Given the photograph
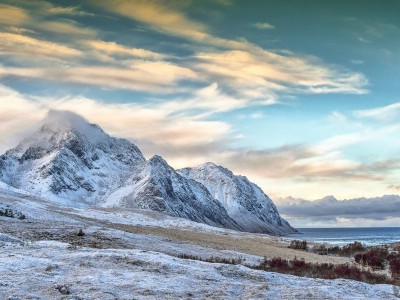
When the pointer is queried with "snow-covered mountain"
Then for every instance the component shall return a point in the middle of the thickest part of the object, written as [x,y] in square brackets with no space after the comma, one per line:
[244,201]
[70,160]
[76,163]
[157,186]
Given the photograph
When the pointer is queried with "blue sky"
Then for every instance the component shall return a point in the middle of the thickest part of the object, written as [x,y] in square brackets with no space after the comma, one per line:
[300,96]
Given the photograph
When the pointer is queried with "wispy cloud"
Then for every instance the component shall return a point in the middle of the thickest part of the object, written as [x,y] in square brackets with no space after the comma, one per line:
[69,10]
[242,60]
[22,45]
[66,27]
[113,48]
[380,113]
[264,26]
[41,7]
[269,72]
[157,14]
[153,77]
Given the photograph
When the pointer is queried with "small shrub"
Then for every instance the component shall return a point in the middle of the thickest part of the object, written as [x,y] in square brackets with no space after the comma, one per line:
[63,289]
[8,212]
[321,250]
[299,245]
[213,259]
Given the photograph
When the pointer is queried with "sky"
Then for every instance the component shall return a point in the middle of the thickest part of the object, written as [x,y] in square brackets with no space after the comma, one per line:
[302,97]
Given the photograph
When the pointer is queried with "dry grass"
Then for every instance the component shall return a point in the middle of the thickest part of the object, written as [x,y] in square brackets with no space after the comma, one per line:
[250,244]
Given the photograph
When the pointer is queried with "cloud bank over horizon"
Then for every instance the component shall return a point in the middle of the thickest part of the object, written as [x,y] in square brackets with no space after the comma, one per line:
[328,211]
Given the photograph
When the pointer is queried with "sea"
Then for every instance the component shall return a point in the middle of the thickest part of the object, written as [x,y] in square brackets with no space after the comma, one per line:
[342,236]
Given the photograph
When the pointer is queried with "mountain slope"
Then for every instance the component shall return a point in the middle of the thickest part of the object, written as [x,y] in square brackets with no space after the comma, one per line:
[159,187]
[244,201]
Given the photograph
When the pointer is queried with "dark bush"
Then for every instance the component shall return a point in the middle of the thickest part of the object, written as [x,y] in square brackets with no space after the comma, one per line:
[394,265]
[374,258]
[276,264]
[316,270]
[347,250]
[300,245]
[321,250]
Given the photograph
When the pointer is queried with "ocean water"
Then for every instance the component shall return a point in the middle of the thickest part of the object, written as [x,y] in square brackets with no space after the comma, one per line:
[342,236]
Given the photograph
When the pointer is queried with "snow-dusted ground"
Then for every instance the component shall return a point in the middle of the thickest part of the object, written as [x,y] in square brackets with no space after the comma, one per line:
[110,262]
[45,270]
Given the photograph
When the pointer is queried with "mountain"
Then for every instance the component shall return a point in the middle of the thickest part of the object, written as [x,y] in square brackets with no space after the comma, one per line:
[69,161]
[244,201]
[157,186]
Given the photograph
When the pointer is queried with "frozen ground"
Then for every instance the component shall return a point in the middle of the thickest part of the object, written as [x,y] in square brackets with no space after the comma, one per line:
[132,255]
[55,270]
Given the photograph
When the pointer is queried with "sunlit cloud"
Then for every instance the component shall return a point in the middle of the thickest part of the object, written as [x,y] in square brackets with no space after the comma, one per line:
[11,15]
[112,48]
[243,61]
[158,15]
[66,27]
[21,45]
[273,72]
[154,77]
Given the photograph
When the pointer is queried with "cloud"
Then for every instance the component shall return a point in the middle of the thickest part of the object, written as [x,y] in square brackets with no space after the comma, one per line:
[245,73]
[264,26]
[69,10]
[149,125]
[66,27]
[210,99]
[378,208]
[267,72]
[150,76]
[158,15]
[20,45]
[11,15]
[258,71]
[357,61]
[320,161]
[112,48]
[47,8]
[337,117]
[383,113]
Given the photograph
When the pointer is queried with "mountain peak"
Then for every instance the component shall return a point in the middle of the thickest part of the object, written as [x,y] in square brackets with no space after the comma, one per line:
[210,167]
[66,121]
